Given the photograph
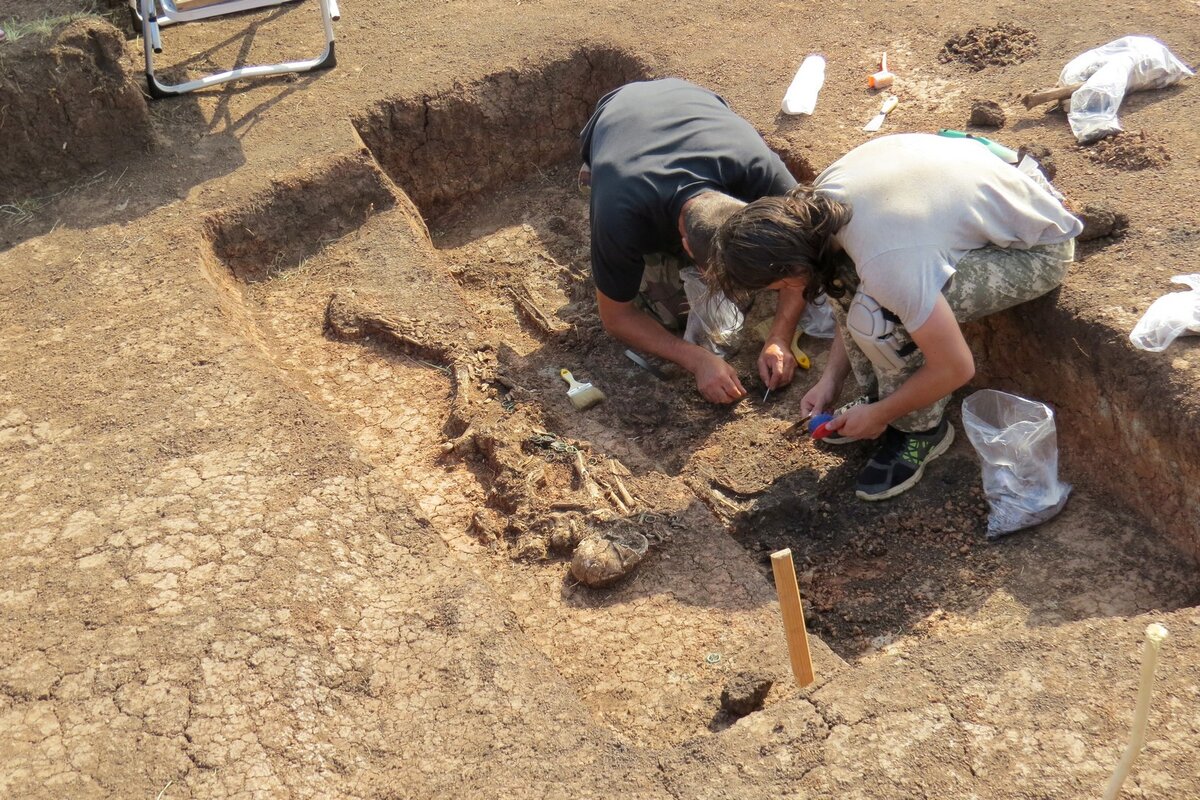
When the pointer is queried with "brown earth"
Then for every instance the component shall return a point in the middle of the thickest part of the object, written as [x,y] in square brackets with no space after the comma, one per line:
[70,109]
[291,483]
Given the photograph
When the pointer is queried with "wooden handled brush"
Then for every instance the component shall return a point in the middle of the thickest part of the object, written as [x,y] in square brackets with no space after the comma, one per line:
[582,395]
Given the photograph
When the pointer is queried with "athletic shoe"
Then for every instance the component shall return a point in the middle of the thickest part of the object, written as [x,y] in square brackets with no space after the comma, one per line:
[900,461]
[836,438]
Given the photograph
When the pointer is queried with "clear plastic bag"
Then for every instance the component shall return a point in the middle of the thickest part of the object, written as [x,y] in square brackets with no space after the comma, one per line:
[1128,64]
[1169,317]
[817,319]
[714,321]
[1018,444]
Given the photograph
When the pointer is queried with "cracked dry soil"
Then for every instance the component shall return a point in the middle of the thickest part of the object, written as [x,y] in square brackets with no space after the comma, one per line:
[290,482]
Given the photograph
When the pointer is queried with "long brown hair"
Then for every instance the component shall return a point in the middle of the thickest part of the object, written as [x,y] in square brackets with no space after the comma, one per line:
[779,237]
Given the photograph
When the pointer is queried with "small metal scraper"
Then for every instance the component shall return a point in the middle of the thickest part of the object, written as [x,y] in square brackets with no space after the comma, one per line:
[877,121]
[646,365]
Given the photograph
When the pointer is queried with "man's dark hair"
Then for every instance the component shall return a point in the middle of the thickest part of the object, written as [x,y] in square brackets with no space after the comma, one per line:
[702,219]
[779,237]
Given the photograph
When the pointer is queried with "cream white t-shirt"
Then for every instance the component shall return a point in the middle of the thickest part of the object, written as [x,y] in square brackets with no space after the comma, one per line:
[920,202]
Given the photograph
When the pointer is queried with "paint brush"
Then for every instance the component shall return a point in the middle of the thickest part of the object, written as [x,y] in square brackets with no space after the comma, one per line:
[582,395]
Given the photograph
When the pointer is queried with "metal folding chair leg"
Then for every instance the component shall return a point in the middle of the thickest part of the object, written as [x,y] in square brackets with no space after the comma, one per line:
[155,14]
[171,12]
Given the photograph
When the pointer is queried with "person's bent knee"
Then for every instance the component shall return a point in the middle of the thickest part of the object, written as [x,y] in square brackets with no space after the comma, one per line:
[1056,261]
[874,329]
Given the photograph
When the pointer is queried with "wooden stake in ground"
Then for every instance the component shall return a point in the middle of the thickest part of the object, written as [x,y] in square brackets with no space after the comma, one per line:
[1155,634]
[793,616]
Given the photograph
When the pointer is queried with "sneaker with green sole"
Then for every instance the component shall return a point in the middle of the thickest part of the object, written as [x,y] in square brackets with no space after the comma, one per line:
[900,461]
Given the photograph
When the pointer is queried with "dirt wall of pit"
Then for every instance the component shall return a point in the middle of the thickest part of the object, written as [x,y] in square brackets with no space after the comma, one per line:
[67,109]
[1128,426]
[443,146]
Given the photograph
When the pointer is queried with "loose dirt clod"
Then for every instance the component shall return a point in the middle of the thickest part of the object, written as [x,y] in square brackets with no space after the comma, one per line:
[986,114]
[1101,220]
[984,46]
[745,693]
[604,559]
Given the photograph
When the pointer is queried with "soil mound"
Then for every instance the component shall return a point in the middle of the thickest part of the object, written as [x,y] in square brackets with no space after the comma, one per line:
[1129,152]
[994,46]
[69,108]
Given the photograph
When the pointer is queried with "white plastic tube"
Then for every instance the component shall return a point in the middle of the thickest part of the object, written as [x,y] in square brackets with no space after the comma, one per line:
[1155,634]
[801,96]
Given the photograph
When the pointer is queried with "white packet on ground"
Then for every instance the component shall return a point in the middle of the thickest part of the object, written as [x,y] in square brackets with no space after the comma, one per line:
[1170,316]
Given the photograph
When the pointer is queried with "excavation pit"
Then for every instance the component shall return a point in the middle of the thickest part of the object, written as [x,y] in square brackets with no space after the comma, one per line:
[299,215]
[873,575]
[469,310]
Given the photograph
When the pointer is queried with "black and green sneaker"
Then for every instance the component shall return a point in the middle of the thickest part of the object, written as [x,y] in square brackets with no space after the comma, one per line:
[900,461]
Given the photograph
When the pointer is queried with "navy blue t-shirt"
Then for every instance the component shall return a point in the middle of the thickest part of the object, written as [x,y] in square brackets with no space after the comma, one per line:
[652,146]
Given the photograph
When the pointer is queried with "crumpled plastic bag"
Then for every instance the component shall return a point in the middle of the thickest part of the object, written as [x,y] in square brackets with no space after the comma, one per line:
[1128,64]
[714,321]
[817,319]
[1018,445]
[1170,316]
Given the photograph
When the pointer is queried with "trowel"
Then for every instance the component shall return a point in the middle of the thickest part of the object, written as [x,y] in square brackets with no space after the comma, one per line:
[877,121]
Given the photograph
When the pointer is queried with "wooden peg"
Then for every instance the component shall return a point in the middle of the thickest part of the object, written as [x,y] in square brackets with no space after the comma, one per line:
[1032,99]
[793,616]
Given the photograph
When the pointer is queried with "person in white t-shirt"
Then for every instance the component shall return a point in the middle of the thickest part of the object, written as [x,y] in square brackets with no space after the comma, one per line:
[909,235]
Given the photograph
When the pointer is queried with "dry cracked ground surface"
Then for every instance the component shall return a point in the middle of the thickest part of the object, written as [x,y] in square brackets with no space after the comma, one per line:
[288,481]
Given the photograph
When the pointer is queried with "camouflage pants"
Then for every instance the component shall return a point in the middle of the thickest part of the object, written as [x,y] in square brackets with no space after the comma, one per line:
[985,281]
[661,294]
[674,293]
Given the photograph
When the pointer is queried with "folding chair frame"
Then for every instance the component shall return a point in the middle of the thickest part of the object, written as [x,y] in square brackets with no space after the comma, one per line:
[156,14]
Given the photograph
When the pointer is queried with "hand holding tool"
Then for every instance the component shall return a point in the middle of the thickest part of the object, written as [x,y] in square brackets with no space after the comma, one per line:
[818,425]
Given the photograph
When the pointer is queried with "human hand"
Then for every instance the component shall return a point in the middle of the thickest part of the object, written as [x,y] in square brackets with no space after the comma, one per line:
[776,364]
[718,381]
[820,397]
[860,422]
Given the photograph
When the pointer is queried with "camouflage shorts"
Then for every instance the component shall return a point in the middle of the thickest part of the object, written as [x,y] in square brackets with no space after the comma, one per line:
[985,281]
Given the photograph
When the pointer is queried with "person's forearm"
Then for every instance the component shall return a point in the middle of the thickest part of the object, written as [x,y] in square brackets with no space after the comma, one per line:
[924,387]
[642,332]
[788,309]
[838,366]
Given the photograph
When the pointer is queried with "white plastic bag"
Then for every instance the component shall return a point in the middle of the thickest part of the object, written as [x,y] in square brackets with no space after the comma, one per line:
[801,94]
[1125,65]
[714,321]
[1170,316]
[1018,445]
[817,319]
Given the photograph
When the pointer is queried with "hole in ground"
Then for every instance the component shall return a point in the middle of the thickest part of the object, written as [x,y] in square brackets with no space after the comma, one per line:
[873,573]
